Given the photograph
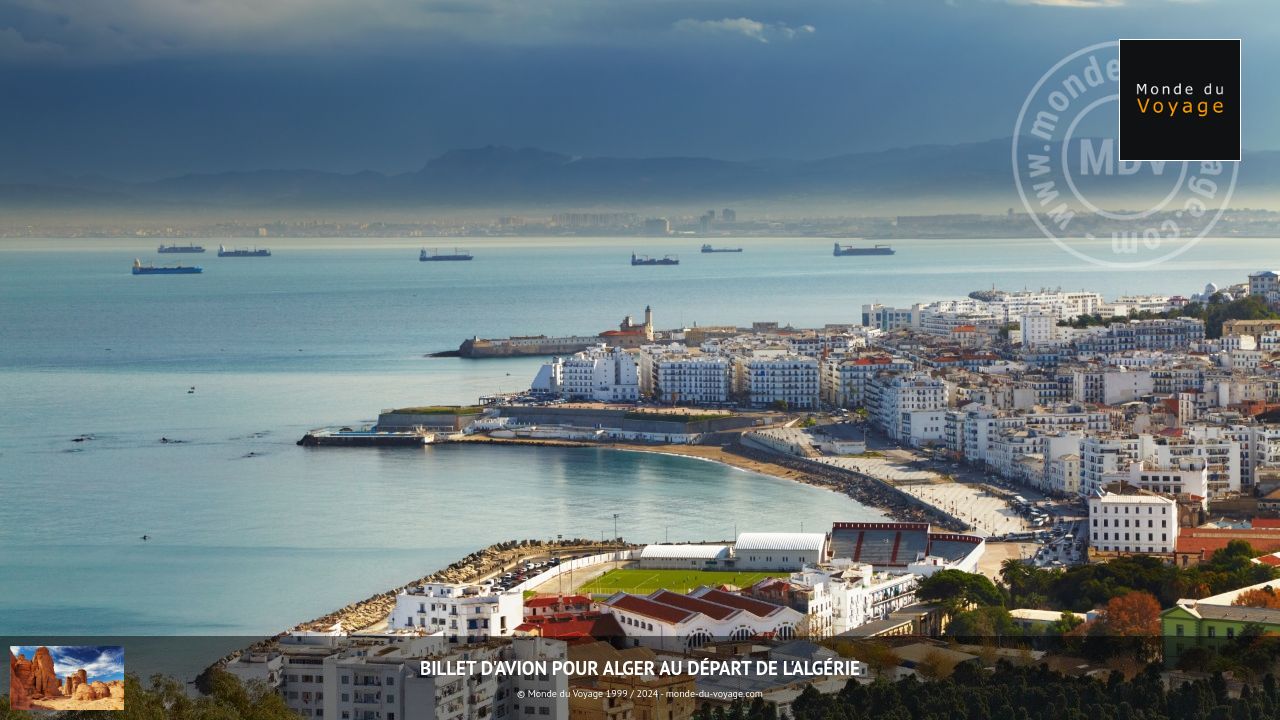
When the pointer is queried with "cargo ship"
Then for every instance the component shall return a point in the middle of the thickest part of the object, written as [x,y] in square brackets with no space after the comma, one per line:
[646,260]
[180,249]
[708,249]
[256,252]
[436,256]
[842,250]
[149,269]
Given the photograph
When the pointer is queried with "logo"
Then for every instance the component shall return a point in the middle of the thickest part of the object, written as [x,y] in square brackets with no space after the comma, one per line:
[1082,196]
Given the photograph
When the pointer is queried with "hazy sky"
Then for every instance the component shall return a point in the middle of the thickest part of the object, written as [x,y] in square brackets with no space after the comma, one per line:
[149,88]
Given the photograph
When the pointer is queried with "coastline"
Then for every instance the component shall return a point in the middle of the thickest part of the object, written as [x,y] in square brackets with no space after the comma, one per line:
[370,613]
[866,490]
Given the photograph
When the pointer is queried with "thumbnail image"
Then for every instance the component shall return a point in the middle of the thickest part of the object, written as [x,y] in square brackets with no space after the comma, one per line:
[66,677]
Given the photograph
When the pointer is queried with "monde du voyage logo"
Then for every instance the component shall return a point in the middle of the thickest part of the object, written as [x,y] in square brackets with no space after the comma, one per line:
[1125,152]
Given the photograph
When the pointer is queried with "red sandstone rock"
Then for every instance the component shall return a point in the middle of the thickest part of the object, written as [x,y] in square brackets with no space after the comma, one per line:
[19,677]
[45,680]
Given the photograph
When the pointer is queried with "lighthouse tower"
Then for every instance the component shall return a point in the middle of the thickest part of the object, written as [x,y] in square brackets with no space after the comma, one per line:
[648,322]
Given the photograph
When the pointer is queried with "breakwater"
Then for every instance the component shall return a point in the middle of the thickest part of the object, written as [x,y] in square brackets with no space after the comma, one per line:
[494,559]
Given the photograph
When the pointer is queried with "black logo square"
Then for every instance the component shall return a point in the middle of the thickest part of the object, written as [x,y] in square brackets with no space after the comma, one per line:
[1180,100]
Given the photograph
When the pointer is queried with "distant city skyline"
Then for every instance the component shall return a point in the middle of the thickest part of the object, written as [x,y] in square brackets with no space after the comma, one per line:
[144,89]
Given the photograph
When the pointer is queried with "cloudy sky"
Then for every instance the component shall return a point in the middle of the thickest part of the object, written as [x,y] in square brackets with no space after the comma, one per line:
[100,662]
[140,89]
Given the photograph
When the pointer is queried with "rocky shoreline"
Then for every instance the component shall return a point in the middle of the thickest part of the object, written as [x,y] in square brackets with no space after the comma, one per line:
[865,489]
[472,568]
[494,559]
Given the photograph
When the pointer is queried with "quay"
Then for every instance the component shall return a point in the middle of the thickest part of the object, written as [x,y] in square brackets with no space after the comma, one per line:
[366,438]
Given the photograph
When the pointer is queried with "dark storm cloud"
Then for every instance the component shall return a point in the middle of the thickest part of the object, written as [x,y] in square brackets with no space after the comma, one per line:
[143,88]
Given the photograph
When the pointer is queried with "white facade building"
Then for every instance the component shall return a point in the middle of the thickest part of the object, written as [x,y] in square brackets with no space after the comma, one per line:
[844,379]
[893,399]
[779,551]
[1133,523]
[1038,329]
[461,613]
[599,373]
[790,380]
[689,378]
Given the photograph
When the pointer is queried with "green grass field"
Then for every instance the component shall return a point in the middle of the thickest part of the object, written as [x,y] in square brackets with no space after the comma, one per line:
[643,582]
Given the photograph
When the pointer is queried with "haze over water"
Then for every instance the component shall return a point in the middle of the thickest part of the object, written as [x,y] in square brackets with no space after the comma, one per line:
[329,332]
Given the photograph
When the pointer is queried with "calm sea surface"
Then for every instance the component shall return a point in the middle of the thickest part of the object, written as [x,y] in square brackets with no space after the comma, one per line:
[251,534]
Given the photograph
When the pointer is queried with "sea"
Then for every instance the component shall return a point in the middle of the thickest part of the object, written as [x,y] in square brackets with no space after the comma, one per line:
[189,392]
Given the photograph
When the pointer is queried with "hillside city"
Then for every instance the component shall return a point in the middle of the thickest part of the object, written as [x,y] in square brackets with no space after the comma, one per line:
[1084,484]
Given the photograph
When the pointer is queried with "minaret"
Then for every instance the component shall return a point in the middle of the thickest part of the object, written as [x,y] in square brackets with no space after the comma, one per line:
[648,322]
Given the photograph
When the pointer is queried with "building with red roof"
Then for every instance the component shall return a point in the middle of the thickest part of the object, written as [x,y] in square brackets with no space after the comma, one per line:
[669,621]
[556,605]
[570,627]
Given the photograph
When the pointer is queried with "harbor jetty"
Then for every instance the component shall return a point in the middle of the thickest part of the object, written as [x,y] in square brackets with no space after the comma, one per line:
[479,565]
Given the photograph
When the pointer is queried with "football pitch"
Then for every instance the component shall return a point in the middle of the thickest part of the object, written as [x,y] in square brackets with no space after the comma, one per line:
[643,582]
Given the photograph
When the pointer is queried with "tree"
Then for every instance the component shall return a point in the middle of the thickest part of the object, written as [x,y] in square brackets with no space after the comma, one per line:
[957,590]
[1028,585]
[935,666]
[1065,623]
[1131,625]
[983,624]
[1263,597]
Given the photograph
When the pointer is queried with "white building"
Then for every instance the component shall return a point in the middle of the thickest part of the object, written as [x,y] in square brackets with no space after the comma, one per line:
[894,400]
[888,319]
[779,551]
[844,379]
[598,373]
[679,376]
[846,596]
[1221,457]
[388,686]
[1038,329]
[681,557]
[1265,284]
[1188,476]
[1141,523]
[1104,455]
[1110,385]
[379,678]
[776,380]
[461,613]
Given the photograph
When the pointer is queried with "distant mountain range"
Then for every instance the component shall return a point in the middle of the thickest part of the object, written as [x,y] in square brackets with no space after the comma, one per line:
[492,177]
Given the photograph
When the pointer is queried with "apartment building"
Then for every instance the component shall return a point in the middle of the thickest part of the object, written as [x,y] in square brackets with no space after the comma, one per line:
[461,613]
